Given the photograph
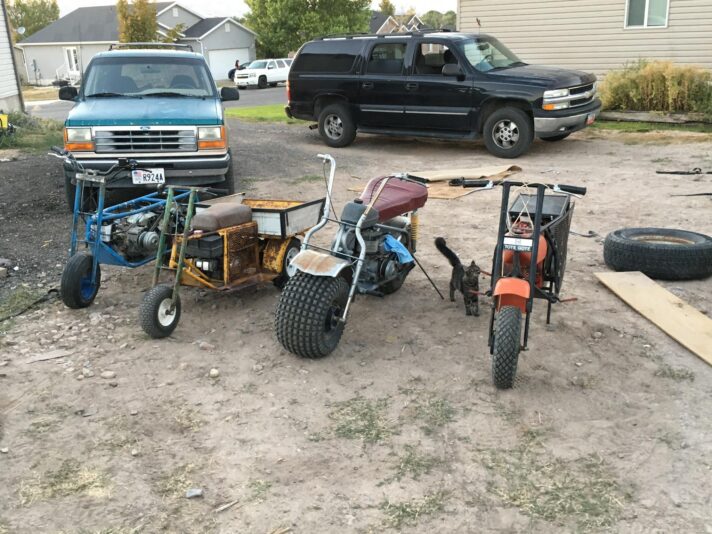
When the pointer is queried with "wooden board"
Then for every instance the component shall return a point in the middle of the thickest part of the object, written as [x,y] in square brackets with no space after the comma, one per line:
[672,315]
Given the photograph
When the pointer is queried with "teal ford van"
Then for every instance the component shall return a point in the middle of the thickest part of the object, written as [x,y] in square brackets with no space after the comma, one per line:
[160,107]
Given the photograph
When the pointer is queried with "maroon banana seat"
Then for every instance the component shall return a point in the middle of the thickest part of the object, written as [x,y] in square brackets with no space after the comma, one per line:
[398,197]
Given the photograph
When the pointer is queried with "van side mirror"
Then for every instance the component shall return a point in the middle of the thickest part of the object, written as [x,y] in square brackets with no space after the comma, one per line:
[229,93]
[451,69]
[68,92]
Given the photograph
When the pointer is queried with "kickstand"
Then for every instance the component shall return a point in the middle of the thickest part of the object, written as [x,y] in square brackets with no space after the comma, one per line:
[427,276]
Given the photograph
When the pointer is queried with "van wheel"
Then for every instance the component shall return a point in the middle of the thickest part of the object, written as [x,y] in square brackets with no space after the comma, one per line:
[508,132]
[262,82]
[336,126]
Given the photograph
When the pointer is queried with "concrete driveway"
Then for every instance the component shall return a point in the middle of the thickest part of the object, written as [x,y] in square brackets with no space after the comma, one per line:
[58,109]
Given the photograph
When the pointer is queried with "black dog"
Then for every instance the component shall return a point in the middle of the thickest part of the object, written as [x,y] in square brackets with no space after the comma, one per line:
[466,281]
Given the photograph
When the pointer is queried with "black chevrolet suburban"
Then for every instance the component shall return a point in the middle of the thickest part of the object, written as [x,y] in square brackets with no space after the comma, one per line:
[436,84]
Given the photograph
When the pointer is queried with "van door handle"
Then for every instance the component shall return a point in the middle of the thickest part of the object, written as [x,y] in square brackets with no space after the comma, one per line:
[411,86]
[367,85]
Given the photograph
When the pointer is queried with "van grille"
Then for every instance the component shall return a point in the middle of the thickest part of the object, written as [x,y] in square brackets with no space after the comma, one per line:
[153,140]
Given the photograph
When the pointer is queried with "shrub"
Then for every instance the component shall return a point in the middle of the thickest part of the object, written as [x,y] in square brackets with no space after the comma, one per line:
[658,86]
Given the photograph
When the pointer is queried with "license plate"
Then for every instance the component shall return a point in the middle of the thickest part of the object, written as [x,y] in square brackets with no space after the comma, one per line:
[517,244]
[590,119]
[148,176]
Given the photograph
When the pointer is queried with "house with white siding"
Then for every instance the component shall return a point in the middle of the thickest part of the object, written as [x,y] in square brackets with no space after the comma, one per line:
[62,50]
[10,93]
[595,35]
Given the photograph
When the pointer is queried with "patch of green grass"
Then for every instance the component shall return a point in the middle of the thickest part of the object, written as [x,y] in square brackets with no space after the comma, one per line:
[269,113]
[32,134]
[362,419]
[18,300]
[643,127]
[678,374]
[70,479]
[258,489]
[413,464]
[408,513]
[582,490]
[431,411]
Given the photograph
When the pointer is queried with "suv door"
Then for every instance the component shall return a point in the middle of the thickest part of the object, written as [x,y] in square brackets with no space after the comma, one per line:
[272,72]
[282,70]
[382,84]
[432,100]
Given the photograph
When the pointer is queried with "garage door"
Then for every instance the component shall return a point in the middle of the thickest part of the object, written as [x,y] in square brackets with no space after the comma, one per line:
[221,61]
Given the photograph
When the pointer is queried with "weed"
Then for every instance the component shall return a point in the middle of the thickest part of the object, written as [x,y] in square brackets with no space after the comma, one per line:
[41,426]
[360,418]
[175,483]
[673,440]
[408,513]
[258,489]
[678,374]
[250,387]
[431,411]
[552,489]
[188,420]
[413,464]
[70,479]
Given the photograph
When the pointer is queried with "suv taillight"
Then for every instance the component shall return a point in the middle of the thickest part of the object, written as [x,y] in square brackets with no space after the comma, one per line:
[288,95]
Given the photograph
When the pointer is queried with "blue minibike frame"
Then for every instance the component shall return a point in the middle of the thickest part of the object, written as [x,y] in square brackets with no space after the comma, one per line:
[101,252]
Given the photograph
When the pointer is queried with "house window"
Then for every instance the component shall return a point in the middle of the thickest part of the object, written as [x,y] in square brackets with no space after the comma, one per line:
[646,13]
[175,12]
[227,28]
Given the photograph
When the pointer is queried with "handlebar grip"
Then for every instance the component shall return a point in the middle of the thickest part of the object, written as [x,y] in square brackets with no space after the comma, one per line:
[469,183]
[573,189]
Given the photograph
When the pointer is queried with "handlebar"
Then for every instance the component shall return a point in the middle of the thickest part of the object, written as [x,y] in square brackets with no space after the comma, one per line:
[489,184]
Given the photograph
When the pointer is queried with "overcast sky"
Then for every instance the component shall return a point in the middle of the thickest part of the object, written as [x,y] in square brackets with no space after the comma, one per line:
[214,8]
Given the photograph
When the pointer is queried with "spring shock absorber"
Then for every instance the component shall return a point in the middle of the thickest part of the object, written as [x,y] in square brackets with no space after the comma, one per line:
[413,229]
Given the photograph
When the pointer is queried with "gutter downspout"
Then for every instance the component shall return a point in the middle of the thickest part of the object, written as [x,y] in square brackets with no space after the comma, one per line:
[12,57]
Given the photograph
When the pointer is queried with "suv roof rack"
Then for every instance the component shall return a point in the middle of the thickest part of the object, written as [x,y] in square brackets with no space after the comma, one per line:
[380,35]
[119,46]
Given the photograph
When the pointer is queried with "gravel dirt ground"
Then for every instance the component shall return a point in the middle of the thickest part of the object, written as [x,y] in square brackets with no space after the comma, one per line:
[607,428]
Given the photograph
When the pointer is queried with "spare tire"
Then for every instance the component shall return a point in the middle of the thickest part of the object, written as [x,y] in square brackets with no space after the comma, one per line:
[662,253]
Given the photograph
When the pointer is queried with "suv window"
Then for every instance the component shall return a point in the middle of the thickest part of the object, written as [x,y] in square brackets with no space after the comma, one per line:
[271,65]
[386,59]
[430,58]
[280,64]
[337,56]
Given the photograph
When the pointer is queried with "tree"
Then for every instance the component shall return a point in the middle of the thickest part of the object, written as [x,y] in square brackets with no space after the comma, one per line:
[33,15]
[435,19]
[137,21]
[283,25]
[387,8]
[175,33]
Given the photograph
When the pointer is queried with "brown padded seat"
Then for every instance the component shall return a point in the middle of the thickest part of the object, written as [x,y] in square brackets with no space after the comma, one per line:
[222,215]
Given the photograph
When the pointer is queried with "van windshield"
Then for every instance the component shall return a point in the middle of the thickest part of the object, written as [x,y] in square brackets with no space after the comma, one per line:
[148,76]
[487,53]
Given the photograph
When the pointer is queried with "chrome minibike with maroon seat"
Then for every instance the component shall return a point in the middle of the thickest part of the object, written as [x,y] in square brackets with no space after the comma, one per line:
[371,254]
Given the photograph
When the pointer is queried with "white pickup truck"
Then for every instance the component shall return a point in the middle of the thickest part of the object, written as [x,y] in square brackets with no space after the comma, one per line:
[263,72]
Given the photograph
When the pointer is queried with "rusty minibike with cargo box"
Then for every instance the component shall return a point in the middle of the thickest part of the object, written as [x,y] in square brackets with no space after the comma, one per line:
[371,254]
[529,262]
[227,243]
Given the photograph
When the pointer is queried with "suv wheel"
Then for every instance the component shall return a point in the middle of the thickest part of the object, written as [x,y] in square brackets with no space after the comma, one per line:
[336,126]
[508,132]
[262,82]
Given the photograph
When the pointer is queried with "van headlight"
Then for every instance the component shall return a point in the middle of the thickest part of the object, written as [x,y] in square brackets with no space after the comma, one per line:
[78,139]
[211,137]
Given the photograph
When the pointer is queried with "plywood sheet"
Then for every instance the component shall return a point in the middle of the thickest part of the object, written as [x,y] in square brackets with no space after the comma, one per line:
[672,315]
